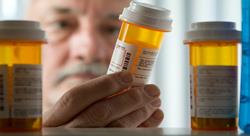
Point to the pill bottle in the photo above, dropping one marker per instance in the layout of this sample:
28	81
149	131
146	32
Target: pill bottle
244	116
213	75
20	76
139	40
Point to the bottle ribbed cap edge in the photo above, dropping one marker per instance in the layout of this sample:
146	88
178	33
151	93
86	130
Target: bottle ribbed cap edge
21	30
147	15
212	31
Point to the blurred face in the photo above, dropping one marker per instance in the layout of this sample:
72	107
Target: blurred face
81	37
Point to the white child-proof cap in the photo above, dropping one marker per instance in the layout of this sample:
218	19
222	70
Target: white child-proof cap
21	30
148	16
212	31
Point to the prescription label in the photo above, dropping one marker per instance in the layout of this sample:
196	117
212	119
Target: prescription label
27	91
4	109
214	91
122	57
144	65
139	61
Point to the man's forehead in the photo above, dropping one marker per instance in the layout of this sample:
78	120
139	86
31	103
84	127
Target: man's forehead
83	6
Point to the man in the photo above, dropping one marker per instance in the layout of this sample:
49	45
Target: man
81	37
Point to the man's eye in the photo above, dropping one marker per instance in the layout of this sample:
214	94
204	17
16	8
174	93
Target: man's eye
60	29
112	30
62	25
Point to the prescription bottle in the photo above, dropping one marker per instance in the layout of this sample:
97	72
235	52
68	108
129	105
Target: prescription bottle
20	76
139	40
213	75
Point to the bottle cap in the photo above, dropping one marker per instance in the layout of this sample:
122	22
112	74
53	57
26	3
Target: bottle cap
21	30
212	31
148	16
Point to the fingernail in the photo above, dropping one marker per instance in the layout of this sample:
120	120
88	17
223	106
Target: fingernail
126	77
158	115
156	103
152	90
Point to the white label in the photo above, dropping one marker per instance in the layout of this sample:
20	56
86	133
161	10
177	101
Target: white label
139	61
4	109
216	94
122	58
27	93
145	65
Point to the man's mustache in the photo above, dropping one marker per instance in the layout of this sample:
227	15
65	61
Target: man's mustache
97	69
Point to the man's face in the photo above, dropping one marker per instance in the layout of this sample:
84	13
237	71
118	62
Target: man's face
81	37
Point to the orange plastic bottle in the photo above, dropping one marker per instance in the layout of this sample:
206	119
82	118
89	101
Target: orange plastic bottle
20	76
139	41
213	75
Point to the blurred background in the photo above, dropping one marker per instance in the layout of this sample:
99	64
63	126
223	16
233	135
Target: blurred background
171	73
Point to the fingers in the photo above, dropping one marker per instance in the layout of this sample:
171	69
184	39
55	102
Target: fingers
106	111
135	118
79	98
155	120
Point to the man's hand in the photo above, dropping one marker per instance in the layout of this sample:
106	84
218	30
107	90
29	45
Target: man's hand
88	106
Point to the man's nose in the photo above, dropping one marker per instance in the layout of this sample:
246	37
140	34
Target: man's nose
85	44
